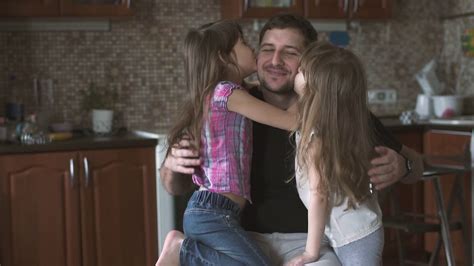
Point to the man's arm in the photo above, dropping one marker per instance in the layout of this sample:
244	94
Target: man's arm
390	166
177	168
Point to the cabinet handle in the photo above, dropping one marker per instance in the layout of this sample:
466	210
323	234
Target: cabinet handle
346	6
71	172
86	171
356	6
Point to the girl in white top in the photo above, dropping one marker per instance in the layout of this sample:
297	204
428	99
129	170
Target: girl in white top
334	148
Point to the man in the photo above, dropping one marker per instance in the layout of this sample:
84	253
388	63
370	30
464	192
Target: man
277	219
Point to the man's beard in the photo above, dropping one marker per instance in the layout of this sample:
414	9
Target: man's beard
287	88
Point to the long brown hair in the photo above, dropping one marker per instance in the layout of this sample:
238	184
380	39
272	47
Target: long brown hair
208	53
334	112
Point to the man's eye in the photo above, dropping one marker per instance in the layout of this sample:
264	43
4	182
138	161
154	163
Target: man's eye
292	54
267	50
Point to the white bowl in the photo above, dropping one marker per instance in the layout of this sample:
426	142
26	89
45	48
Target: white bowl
446	106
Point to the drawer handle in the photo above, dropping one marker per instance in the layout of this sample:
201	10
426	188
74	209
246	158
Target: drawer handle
346	6
71	172
86	171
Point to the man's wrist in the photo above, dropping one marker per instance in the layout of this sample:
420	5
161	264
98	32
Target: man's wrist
408	167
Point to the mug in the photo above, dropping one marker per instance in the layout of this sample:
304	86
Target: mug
424	106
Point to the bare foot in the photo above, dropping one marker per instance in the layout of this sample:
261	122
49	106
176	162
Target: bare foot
170	253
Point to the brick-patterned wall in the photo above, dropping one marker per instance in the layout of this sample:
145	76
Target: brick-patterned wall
142	56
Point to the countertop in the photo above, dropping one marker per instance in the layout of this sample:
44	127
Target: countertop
131	139
128	139
394	124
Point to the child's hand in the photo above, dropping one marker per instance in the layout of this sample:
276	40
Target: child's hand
302	259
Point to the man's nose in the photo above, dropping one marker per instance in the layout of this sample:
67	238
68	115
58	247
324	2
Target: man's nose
277	58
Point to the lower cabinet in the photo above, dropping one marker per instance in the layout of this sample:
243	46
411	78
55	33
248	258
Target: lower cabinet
448	143
410	198
91	207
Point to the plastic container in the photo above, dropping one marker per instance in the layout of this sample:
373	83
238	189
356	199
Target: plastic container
446	106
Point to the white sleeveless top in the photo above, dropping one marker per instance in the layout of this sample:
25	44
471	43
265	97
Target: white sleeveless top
344	225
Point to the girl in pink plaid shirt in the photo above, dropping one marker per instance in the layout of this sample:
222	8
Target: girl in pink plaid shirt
217	120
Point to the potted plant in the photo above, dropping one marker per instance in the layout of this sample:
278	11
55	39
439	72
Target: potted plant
100	101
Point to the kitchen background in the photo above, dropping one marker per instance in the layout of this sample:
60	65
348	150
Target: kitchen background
141	56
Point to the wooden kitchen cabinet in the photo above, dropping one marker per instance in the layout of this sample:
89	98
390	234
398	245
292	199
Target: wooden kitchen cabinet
352	9
326	9
234	9
64	8
312	9
28	8
372	9
85	208
92	8
410	198
448	143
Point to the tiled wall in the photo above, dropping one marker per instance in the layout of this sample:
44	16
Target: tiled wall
142	56
458	69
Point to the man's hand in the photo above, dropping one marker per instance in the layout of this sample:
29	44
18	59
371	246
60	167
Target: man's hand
182	159
387	169
179	165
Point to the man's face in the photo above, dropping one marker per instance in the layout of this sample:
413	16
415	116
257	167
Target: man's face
278	59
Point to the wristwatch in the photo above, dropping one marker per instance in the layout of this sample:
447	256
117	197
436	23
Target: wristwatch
408	166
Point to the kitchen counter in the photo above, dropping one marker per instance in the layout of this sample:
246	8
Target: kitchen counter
393	123
120	140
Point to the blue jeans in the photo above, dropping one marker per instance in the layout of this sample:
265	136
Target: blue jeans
213	235
366	251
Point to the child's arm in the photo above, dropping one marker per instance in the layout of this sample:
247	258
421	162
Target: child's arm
317	215
247	105
317	210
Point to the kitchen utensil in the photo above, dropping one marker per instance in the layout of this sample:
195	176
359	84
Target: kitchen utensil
446	106
424	106
102	121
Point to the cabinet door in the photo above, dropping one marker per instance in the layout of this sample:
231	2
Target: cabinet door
28	8
232	9
410	198
327	9
371	9
119	207
95	8
39	210
448	143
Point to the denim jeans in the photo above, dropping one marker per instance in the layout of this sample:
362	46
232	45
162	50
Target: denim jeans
366	251
213	235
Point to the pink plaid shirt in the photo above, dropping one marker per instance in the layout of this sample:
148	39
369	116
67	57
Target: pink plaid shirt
226	146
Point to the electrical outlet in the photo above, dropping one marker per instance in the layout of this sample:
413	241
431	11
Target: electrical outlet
382	96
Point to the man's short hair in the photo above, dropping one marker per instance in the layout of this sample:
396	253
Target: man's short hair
284	21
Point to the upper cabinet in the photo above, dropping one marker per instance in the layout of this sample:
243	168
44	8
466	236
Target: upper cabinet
312	9
371	9
95	8
326	9
64	8
232	9
25	8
